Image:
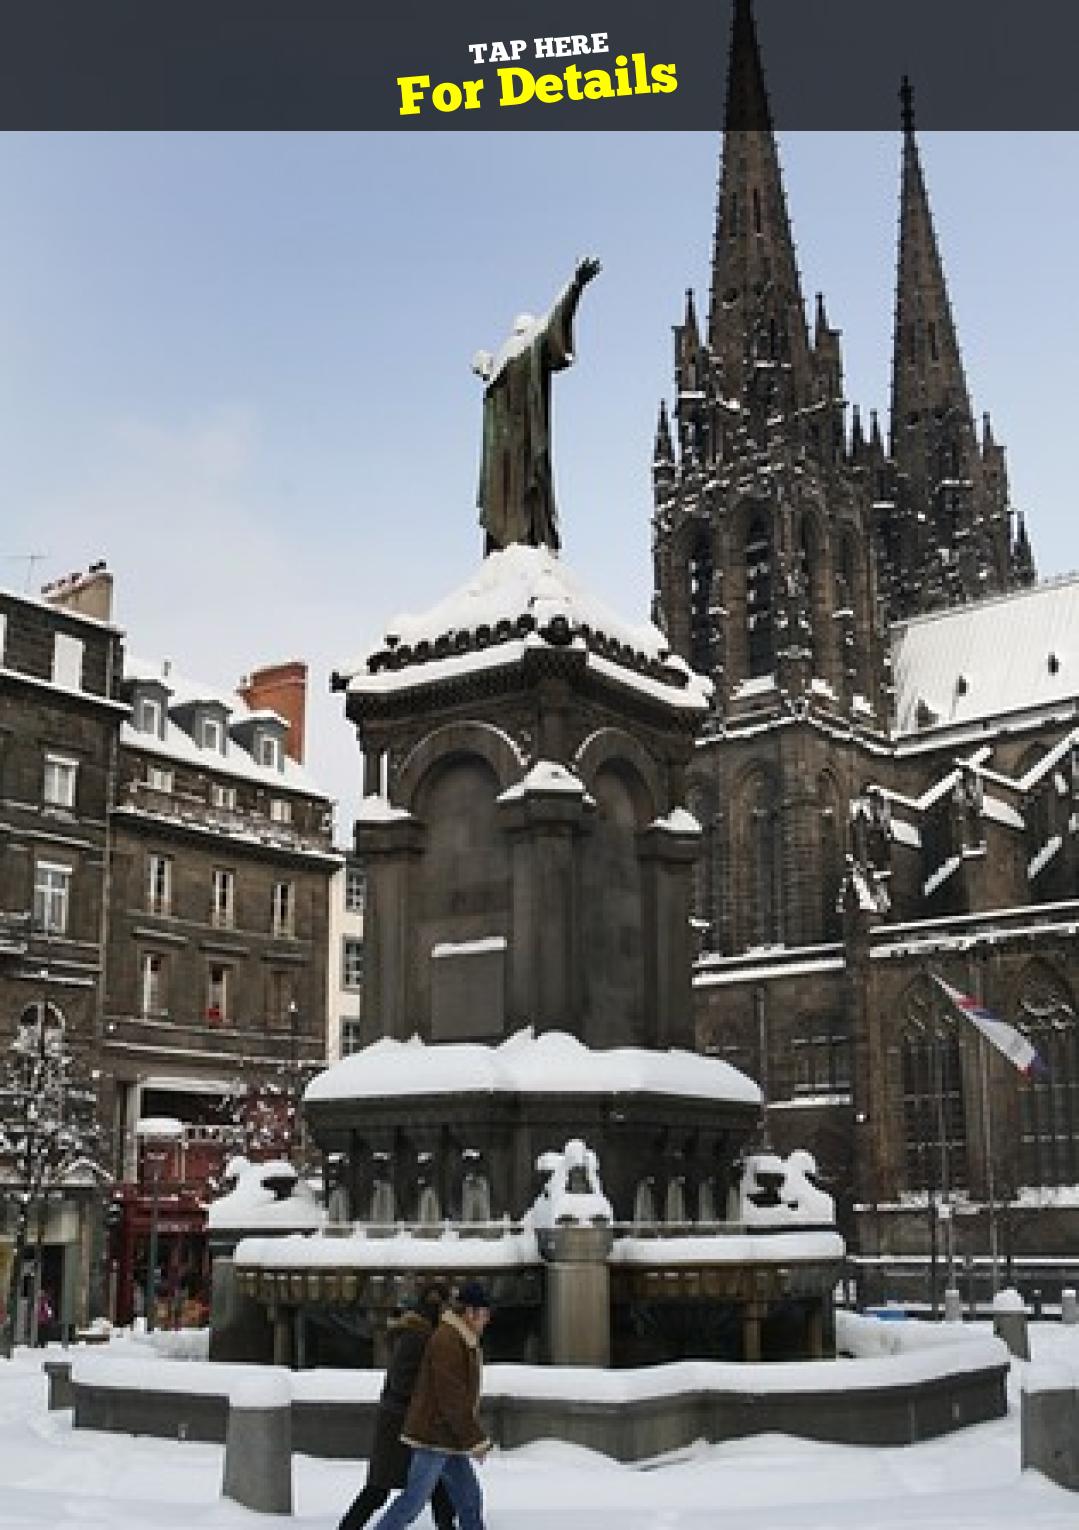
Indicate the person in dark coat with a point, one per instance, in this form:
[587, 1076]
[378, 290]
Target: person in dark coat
[442, 1423]
[390, 1456]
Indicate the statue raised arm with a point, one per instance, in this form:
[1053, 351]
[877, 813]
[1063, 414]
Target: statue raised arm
[516, 492]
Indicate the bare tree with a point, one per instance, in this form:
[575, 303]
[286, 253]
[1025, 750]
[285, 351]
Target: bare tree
[48, 1125]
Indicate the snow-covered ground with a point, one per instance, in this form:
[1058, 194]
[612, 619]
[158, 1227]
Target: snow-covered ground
[55, 1478]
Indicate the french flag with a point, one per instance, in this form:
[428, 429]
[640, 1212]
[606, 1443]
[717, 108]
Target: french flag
[1015, 1046]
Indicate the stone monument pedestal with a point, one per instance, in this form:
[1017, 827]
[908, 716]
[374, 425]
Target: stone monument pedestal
[578, 1305]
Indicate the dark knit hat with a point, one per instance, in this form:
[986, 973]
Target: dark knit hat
[473, 1294]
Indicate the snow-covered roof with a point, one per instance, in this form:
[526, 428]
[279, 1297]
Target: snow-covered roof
[231, 760]
[522, 597]
[1012, 653]
[551, 1063]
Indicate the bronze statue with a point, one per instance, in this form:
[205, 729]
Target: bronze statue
[516, 493]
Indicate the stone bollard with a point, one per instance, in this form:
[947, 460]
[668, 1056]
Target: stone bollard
[1010, 1322]
[61, 1392]
[258, 1444]
[1050, 1425]
[953, 1306]
[1069, 1307]
[578, 1301]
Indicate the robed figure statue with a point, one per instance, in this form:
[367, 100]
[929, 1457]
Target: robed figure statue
[516, 493]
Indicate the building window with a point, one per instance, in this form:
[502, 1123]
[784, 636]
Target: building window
[352, 964]
[159, 778]
[822, 1060]
[355, 889]
[159, 884]
[148, 715]
[223, 898]
[217, 993]
[280, 810]
[223, 796]
[154, 1000]
[351, 1037]
[269, 752]
[212, 734]
[1049, 1102]
[3, 637]
[52, 897]
[284, 908]
[67, 661]
[59, 784]
[934, 1114]
[279, 1005]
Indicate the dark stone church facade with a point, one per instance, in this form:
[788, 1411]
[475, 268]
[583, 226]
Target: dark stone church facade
[889, 778]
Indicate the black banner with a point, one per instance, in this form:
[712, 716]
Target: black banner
[533, 64]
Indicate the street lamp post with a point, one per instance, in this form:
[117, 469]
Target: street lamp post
[151, 1257]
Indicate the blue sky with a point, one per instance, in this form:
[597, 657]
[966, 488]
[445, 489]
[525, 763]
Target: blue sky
[237, 366]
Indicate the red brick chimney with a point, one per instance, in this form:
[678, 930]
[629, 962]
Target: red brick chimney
[281, 688]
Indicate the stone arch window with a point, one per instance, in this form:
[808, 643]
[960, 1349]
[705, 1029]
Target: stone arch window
[934, 1113]
[760, 595]
[644, 1203]
[701, 633]
[701, 803]
[428, 1206]
[475, 1197]
[757, 862]
[809, 561]
[1049, 1104]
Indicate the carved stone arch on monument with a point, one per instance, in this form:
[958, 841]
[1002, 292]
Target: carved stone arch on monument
[613, 925]
[460, 887]
[613, 748]
[501, 752]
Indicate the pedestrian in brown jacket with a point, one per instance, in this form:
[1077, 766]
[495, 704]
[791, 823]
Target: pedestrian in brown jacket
[390, 1456]
[442, 1423]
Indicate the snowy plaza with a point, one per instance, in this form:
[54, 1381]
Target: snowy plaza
[56, 1478]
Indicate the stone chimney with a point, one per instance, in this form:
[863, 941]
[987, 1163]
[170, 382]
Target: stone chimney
[88, 594]
[281, 688]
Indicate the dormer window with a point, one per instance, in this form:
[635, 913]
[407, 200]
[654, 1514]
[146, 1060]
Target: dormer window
[269, 752]
[211, 734]
[148, 715]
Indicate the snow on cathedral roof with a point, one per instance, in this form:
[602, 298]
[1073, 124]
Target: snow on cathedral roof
[522, 597]
[551, 1063]
[1013, 653]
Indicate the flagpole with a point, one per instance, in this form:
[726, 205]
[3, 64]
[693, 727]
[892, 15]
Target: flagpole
[990, 1177]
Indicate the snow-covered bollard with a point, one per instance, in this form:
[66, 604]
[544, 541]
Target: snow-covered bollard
[258, 1444]
[1050, 1424]
[1010, 1322]
[953, 1306]
[61, 1393]
[1069, 1307]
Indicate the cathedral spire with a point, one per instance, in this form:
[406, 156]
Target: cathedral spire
[927, 368]
[755, 284]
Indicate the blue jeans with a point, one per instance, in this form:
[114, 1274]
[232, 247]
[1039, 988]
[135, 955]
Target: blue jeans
[459, 1479]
